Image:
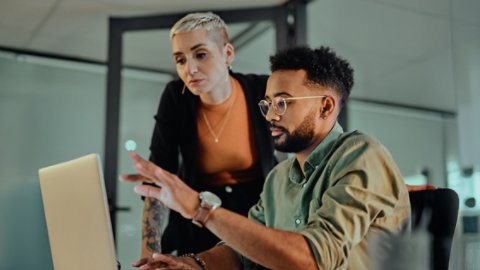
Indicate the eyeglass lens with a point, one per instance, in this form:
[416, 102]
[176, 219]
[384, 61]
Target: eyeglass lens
[279, 106]
[263, 105]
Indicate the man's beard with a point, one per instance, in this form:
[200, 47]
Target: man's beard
[300, 139]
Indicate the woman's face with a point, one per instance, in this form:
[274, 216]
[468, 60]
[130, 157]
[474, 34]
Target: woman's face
[201, 61]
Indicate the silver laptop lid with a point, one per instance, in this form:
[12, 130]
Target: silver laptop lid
[76, 211]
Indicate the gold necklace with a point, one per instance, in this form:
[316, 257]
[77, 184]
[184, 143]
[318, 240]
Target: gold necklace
[216, 137]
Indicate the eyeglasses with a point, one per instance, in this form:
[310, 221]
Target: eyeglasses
[279, 104]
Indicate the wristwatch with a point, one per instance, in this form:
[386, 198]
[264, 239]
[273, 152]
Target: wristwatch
[208, 203]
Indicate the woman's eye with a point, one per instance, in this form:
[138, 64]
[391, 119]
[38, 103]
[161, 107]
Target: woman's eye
[201, 55]
[180, 61]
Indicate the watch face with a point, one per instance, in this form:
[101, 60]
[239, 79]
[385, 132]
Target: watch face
[210, 199]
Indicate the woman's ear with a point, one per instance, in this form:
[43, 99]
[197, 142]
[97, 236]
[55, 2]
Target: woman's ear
[229, 53]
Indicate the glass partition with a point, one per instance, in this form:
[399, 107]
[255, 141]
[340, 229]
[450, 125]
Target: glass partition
[50, 111]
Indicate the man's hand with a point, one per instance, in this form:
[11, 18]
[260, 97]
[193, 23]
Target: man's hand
[142, 262]
[168, 189]
[166, 262]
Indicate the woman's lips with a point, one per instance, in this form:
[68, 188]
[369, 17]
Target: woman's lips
[195, 82]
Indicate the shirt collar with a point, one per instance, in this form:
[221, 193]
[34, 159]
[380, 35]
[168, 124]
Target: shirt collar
[295, 172]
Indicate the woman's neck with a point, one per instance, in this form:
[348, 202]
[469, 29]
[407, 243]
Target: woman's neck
[219, 94]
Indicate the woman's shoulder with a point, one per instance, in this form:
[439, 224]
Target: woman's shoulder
[253, 85]
[250, 77]
[175, 91]
[174, 86]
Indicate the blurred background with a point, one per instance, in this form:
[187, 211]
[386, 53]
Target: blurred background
[417, 89]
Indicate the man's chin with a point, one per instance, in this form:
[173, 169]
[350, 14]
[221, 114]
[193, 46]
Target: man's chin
[282, 148]
[279, 140]
[290, 146]
[279, 144]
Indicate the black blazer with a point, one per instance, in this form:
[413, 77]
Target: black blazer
[176, 128]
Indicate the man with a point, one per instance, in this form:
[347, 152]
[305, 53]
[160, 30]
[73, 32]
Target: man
[318, 210]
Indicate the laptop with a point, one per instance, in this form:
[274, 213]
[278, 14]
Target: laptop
[76, 211]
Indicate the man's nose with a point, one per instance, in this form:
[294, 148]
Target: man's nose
[271, 115]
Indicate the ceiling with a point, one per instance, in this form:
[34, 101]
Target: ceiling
[403, 51]
[80, 27]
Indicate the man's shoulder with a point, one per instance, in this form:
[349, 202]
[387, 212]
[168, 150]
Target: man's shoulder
[356, 137]
[358, 143]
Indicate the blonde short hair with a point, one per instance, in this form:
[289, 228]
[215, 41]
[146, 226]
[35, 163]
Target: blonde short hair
[204, 20]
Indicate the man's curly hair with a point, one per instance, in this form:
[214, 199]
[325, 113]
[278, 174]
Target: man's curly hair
[322, 65]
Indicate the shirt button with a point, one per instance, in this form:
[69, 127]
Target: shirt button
[297, 221]
[228, 189]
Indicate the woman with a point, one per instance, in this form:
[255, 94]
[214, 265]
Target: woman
[209, 117]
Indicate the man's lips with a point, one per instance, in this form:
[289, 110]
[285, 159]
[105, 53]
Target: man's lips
[276, 131]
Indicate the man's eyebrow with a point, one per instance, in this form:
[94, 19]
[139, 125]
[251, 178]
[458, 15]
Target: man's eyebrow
[280, 94]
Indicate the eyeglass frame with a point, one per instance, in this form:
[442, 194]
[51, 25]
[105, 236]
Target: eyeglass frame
[285, 99]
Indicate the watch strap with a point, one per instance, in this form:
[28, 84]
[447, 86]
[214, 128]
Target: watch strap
[201, 216]
[208, 203]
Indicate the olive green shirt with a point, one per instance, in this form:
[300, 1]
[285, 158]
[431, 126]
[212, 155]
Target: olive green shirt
[350, 192]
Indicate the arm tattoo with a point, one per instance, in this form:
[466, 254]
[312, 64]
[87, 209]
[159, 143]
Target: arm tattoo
[153, 222]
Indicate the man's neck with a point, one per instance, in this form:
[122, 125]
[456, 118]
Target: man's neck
[303, 155]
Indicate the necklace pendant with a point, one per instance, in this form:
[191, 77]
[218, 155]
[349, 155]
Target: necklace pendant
[216, 140]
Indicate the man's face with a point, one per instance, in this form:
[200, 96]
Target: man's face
[297, 140]
[201, 62]
[295, 130]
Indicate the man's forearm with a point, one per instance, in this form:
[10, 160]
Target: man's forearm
[153, 218]
[221, 257]
[274, 249]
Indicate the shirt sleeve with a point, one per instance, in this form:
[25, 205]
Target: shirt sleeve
[364, 186]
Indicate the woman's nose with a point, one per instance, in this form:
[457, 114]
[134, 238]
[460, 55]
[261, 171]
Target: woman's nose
[192, 68]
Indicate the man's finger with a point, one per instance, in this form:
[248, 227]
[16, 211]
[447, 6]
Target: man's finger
[162, 257]
[143, 166]
[163, 175]
[134, 178]
[134, 156]
[140, 262]
[148, 191]
[152, 265]
[171, 261]
[137, 159]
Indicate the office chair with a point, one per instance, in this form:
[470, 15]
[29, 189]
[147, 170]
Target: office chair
[436, 210]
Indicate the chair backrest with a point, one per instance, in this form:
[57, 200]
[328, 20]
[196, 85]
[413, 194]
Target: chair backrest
[437, 210]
